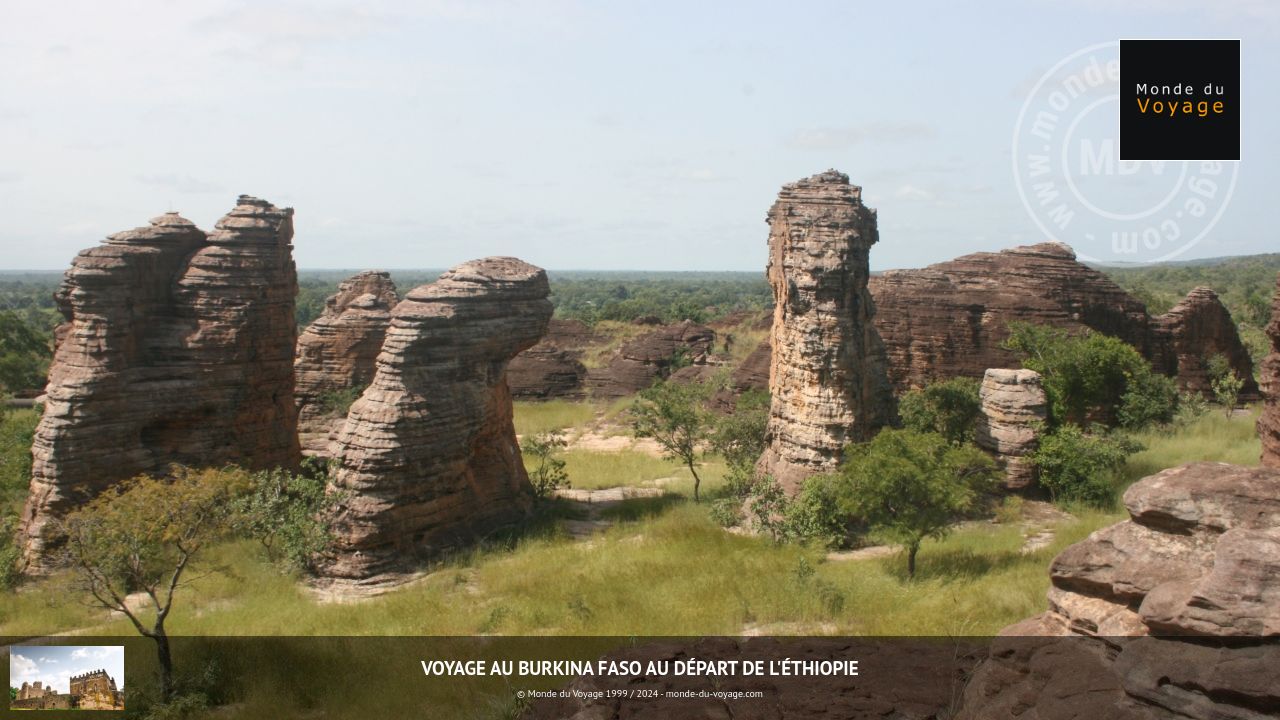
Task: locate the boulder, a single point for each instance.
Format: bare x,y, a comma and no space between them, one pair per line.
337,352
827,379
553,368
1013,412
650,357
1174,613
176,347
427,458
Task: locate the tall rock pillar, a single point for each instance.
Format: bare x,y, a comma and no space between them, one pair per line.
827,378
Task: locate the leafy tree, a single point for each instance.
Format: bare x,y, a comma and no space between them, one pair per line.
676,417
549,473
947,407
143,536
908,485
1079,466
13,694
287,512
1093,377
1226,385
739,438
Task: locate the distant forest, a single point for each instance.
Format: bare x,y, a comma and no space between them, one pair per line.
1246,283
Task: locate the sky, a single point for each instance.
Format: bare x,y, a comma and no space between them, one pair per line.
575,135
54,665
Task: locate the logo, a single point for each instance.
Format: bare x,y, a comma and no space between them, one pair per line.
1076,187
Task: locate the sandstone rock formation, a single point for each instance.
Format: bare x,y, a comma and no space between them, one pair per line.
1269,423
650,357
177,348
553,368
336,353
1190,334
427,457
1174,613
1013,409
827,380
950,319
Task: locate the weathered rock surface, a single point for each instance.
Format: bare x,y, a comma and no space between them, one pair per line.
652,356
1013,410
827,380
337,352
177,348
553,368
1174,613
1192,332
427,457
950,319
1269,422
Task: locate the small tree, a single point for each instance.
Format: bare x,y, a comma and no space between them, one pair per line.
1224,382
548,472
1079,466
739,438
675,416
142,536
287,513
908,485
947,407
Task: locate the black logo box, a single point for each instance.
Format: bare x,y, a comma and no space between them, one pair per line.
1187,68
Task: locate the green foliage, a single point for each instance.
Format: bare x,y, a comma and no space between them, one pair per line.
676,417
286,513
17,429
1093,377
548,472
815,515
726,512
739,438
1225,383
908,486
13,693
10,552
1076,466
670,297
947,407
24,353
337,403
1010,510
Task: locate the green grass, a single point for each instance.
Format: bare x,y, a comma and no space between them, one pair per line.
1210,437
536,417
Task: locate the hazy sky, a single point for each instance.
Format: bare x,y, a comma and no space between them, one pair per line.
598,135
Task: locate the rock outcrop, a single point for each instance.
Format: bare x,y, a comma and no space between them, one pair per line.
1193,332
1174,613
1269,422
950,319
650,357
427,457
553,368
827,379
177,347
336,354
1013,411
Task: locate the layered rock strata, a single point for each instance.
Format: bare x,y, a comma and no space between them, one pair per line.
827,377
177,347
1012,414
1269,422
1195,330
650,357
553,368
336,354
427,458
1174,613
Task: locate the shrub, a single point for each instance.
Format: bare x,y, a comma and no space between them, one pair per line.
814,515
287,513
908,486
947,407
1093,377
1079,466
739,438
548,472
676,417
337,403
10,552
726,512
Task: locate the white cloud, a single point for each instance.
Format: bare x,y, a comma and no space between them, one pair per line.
22,668
80,653
48,661
835,138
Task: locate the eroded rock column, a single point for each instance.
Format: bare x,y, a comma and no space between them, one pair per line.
428,456
1013,410
827,376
